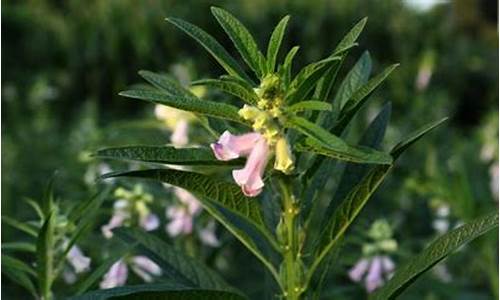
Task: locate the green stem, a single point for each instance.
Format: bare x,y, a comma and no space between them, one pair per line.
291,268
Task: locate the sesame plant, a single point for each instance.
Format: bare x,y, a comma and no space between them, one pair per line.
279,175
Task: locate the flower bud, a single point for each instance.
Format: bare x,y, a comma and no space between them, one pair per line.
284,157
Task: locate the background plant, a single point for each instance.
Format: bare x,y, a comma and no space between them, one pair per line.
469,26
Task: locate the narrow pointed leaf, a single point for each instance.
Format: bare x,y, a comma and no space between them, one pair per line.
356,77
16,264
351,37
212,46
352,106
165,155
232,88
352,174
287,65
352,205
165,83
158,291
193,104
433,254
20,226
415,136
306,79
19,246
322,142
178,266
275,42
310,105
242,39
20,278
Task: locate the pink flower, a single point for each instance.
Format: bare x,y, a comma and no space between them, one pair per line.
233,146
116,221
150,222
250,177
180,135
116,276
118,273
181,216
377,269
207,235
145,268
359,269
77,260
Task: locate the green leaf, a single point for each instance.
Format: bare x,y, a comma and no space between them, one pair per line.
165,155
351,37
193,104
212,46
356,77
205,187
214,194
242,40
437,251
349,41
357,100
86,214
16,264
351,206
158,291
230,87
353,173
322,142
45,256
286,68
20,226
274,44
166,83
309,105
180,267
323,207
306,79
36,207
415,136
19,246
20,278
96,274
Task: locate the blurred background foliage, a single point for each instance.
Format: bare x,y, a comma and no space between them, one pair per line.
64,62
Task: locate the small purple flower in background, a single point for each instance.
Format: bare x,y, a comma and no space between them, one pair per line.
441,222
207,235
182,216
376,266
77,260
375,271
79,264
131,208
117,275
177,121
425,71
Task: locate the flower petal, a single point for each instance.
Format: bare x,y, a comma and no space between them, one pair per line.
233,146
359,269
116,276
250,177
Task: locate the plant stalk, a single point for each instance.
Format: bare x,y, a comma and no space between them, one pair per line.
291,268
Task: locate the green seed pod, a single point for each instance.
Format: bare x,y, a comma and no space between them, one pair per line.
282,232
